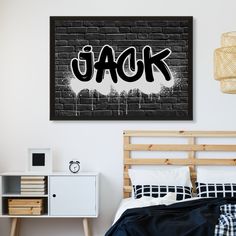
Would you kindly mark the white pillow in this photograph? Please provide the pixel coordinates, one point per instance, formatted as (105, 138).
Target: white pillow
(128, 203)
(179, 176)
(216, 175)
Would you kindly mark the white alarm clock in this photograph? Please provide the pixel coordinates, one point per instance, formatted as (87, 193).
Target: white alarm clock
(74, 166)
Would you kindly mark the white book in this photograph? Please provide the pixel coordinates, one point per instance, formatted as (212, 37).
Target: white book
(32, 182)
(33, 193)
(37, 186)
(32, 177)
(32, 190)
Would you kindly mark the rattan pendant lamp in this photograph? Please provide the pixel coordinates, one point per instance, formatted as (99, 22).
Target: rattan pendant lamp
(225, 63)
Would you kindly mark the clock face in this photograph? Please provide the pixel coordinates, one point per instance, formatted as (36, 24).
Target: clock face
(74, 167)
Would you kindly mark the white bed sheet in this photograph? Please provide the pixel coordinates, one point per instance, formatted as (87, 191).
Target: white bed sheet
(128, 203)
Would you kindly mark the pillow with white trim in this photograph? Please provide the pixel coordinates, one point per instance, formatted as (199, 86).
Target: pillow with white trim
(182, 192)
(216, 189)
(213, 174)
(175, 176)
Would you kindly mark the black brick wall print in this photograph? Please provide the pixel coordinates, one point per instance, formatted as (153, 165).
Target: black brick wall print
(121, 68)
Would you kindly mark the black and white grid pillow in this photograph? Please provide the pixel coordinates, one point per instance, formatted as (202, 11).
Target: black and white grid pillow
(216, 190)
(182, 192)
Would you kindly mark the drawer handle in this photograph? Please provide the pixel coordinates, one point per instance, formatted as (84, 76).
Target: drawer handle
(54, 195)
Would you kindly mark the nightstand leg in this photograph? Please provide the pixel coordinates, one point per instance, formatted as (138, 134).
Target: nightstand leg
(18, 227)
(13, 227)
(86, 227)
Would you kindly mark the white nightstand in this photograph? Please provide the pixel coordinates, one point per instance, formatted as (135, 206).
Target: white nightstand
(66, 196)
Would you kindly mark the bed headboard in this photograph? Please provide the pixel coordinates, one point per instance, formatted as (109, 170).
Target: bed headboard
(192, 146)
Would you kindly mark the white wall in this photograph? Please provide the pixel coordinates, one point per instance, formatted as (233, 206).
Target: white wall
(24, 95)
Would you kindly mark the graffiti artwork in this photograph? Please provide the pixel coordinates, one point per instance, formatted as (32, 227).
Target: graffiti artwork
(121, 68)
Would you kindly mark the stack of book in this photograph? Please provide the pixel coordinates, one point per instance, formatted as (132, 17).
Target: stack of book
(33, 185)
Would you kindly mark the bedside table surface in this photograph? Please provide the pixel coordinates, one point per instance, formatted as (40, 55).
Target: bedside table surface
(22, 173)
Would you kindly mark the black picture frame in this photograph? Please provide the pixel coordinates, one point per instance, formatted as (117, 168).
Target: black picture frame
(70, 34)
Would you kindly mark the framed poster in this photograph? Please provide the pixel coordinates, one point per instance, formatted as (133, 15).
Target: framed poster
(121, 68)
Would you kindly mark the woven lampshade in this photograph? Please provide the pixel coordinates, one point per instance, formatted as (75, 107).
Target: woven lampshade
(225, 63)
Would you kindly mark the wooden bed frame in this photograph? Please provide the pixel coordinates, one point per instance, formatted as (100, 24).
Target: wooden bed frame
(191, 148)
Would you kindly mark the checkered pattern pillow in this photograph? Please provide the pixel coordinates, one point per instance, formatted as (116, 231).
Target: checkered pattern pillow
(182, 192)
(227, 221)
(215, 190)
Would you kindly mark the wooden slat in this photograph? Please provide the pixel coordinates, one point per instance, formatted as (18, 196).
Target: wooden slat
(182, 133)
(126, 166)
(128, 189)
(180, 161)
(191, 157)
(179, 147)
(191, 154)
(191, 141)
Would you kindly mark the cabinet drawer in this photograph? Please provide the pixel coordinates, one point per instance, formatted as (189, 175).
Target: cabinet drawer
(73, 195)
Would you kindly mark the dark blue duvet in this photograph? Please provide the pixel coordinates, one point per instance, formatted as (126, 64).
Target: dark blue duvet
(190, 218)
